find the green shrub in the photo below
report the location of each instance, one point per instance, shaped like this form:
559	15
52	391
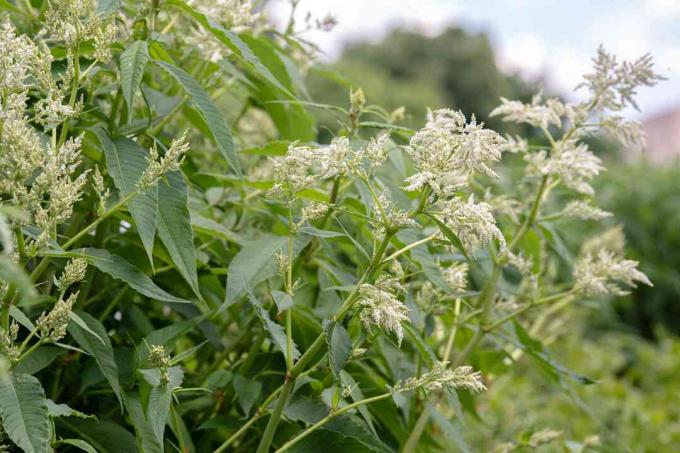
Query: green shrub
185	268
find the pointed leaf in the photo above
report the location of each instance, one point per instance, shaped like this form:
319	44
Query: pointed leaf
126	161
23	409
275	330
247	391
63	410
214	119
132	63
102	352
146	438
174	226
339	346
120	269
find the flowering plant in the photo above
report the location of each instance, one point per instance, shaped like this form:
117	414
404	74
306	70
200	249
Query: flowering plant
184	267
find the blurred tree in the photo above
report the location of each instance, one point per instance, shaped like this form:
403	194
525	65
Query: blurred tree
455	69
646	199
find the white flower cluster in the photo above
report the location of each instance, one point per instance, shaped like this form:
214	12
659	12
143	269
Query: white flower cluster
74	272
472	222
170	161
380	307
72	21
390	216
456	276
583	210
58	184
440	376
613	85
22	62
303	166
571	161
7	339
539	113
603	273
52	326
448	149
313	211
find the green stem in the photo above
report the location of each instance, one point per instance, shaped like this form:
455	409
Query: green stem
328	418
409	247
29	351
272	424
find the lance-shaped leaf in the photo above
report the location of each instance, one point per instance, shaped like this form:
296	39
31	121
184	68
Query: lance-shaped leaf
160	397
174	226
132	63
119	268
213	118
102	351
126	161
275	330
23	409
339	346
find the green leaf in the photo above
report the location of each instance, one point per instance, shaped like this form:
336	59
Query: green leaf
83	325
233	42
174	227
282	300
106	436
160	398
23	408
63	410
255	263
102	351
78	443
11	273
144	432
247	391
120	269
450	235
339	346
450	430
38	360
132	63
275	330
344	434
126	161
214	119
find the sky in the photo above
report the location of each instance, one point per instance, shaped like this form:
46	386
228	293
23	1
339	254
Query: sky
551	38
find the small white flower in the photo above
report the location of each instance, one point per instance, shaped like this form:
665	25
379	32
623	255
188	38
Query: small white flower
472	222
448	149
613	85
602	274
440	376
380	307
313	211
52	326
456	276
74	272
536	114
580	209
170	161
571	161
293	172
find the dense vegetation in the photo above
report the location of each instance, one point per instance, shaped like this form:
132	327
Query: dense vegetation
186	265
